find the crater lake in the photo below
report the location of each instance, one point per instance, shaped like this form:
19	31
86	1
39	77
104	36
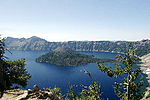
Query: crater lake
51	76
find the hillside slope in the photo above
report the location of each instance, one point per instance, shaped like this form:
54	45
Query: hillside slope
32	43
36	43
146	58
146	64
145	67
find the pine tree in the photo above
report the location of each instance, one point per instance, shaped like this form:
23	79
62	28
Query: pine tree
11	72
2	79
131	86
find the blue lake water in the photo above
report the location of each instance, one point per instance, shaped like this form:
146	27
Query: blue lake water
48	75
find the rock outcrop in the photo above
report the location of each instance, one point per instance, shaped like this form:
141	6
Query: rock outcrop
35	94
145	67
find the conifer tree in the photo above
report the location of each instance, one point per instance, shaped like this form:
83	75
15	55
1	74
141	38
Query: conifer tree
131	86
2	79
11	72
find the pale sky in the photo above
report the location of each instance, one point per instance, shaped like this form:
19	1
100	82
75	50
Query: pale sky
64	20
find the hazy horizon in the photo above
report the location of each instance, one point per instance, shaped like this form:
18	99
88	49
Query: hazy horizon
79	20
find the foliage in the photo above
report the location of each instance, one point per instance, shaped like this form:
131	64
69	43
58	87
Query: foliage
131	86
13	90
11	72
91	92
56	91
17	73
71	94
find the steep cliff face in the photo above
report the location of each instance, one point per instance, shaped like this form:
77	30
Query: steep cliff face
33	43
145	67
36	43
146	59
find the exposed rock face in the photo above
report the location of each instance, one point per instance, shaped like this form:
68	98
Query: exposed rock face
146	59
145	67
33	43
30	95
36	43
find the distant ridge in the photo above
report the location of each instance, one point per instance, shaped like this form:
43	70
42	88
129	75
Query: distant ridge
37	43
32	43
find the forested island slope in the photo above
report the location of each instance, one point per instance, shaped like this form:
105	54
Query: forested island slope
64	56
36	43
